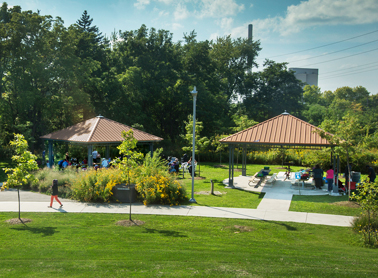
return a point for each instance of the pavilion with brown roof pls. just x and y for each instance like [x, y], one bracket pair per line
[282, 131]
[97, 131]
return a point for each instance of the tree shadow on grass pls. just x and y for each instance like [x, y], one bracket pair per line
[44, 231]
[288, 227]
[164, 232]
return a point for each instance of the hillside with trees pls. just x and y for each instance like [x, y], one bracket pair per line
[52, 76]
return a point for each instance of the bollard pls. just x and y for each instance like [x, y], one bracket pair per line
[212, 187]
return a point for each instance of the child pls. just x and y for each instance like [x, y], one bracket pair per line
[54, 194]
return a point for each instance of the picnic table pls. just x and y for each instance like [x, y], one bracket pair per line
[302, 177]
[260, 176]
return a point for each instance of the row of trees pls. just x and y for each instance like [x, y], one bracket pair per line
[52, 76]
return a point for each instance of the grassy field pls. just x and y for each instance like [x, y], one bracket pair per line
[325, 204]
[82, 245]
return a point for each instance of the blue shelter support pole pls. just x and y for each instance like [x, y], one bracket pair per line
[107, 152]
[231, 149]
[244, 161]
[90, 158]
[152, 149]
[51, 155]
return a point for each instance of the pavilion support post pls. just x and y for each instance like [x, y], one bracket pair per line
[231, 149]
[337, 170]
[244, 161]
[107, 152]
[51, 155]
[90, 158]
[152, 149]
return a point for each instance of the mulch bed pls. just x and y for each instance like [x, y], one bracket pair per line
[128, 223]
[347, 204]
[15, 221]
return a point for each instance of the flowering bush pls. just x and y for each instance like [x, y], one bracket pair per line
[161, 188]
[96, 186]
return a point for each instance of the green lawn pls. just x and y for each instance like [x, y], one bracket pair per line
[325, 204]
[82, 245]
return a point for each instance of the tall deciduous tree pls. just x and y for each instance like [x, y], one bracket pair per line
[276, 90]
[39, 75]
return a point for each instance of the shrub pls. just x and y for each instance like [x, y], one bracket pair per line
[46, 176]
[161, 188]
[367, 226]
[155, 185]
[96, 186]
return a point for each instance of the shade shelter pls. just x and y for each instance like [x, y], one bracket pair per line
[282, 131]
[98, 131]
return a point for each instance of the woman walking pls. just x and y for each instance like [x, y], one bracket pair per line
[54, 194]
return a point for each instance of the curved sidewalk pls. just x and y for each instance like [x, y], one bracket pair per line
[35, 202]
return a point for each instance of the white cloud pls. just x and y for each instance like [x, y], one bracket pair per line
[180, 12]
[163, 13]
[219, 8]
[225, 23]
[176, 26]
[141, 4]
[320, 12]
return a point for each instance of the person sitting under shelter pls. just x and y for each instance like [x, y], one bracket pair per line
[190, 166]
[104, 163]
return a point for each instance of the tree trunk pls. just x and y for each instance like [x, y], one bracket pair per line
[348, 174]
[19, 207]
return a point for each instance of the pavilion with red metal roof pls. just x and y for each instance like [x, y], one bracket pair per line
[98, 131]
[282, 131]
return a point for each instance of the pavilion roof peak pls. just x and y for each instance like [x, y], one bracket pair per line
[283, 129]
[99, 130]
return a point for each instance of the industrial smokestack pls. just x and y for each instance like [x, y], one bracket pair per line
[250, 28]
[250, 58]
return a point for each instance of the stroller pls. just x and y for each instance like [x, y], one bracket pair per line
[344, 188]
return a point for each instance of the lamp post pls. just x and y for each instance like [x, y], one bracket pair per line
[194, 94]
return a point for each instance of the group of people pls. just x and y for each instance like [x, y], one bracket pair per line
[330, 173]
[174, 164]
[98, 162]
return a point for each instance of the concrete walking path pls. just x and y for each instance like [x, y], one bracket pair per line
[273, 207]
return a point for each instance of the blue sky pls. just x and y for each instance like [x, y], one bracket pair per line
[343, 34]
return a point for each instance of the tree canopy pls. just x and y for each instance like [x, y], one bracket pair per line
[52, 76]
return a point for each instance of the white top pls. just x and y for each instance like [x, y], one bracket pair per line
[94, 154]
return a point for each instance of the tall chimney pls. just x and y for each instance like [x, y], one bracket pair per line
[250, 27]
[250, 59]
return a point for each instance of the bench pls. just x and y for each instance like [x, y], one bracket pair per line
[251, 180]
[272, 179]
